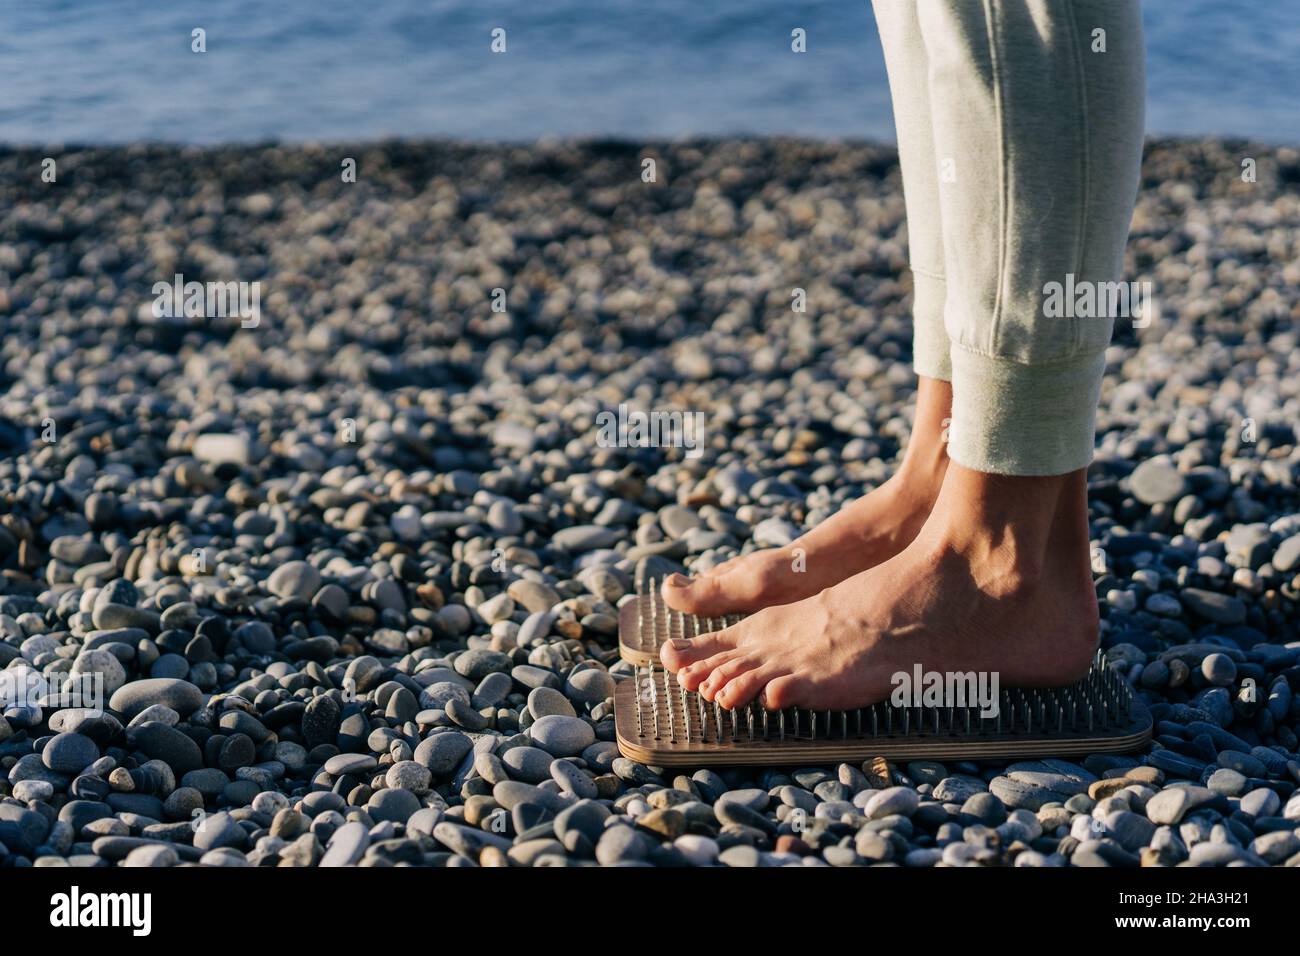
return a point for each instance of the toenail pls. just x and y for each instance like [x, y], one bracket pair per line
[678, 581]
[680, 644]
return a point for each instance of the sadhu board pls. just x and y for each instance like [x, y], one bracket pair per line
[661, 724]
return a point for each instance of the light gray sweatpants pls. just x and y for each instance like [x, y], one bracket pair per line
[1020, 139]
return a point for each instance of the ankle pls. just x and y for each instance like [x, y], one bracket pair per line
[1001, 526]
[1014, 533]
[995, 565]
[920, 475]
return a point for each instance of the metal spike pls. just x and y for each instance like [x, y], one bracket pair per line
[654, 617]
[640, 704]
[640, 622]
[668, 705]
[654, 702]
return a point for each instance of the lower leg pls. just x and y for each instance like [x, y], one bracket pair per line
[880, 524]
[862, 534]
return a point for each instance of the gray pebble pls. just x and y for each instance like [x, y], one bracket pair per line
[562, 736]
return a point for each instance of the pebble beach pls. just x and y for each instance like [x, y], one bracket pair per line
[349, 576]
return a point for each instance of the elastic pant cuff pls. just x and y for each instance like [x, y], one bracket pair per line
[1009, 418]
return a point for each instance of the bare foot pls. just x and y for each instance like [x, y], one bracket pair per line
[861, 535]
[998, 580]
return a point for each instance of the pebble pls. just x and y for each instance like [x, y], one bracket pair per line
[1032, 793]
[621, 844]
[1219, 670]
[218, 830]
[529, 764]
[69, 753]
[346, 845]
[465, 715]
[294, 580]
[562, 736]
[588, 537]
[392, 804]
[546, 701]
[162, 742]
[958, 789]
[465, 841]
[698, 850]
[153, 855]
[573, 781]
[895, 801]
[1287, 556]
[216, 448]
[1213, 606]
[441, 753]
[1227, 782]
[589, 686]
[1157, 481]
[754, 798]
[985, 807]
[341, 764]
[535, 597]
[1261, 802]
[1170, 805]
[175, 694]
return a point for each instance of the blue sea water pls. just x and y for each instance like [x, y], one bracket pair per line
[111, 71]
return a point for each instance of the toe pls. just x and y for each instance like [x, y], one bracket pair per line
[742, 688]
[701, 594]
[724, 672]
[681, 652]
[738, 585]
[782, 692]
[693, 675]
